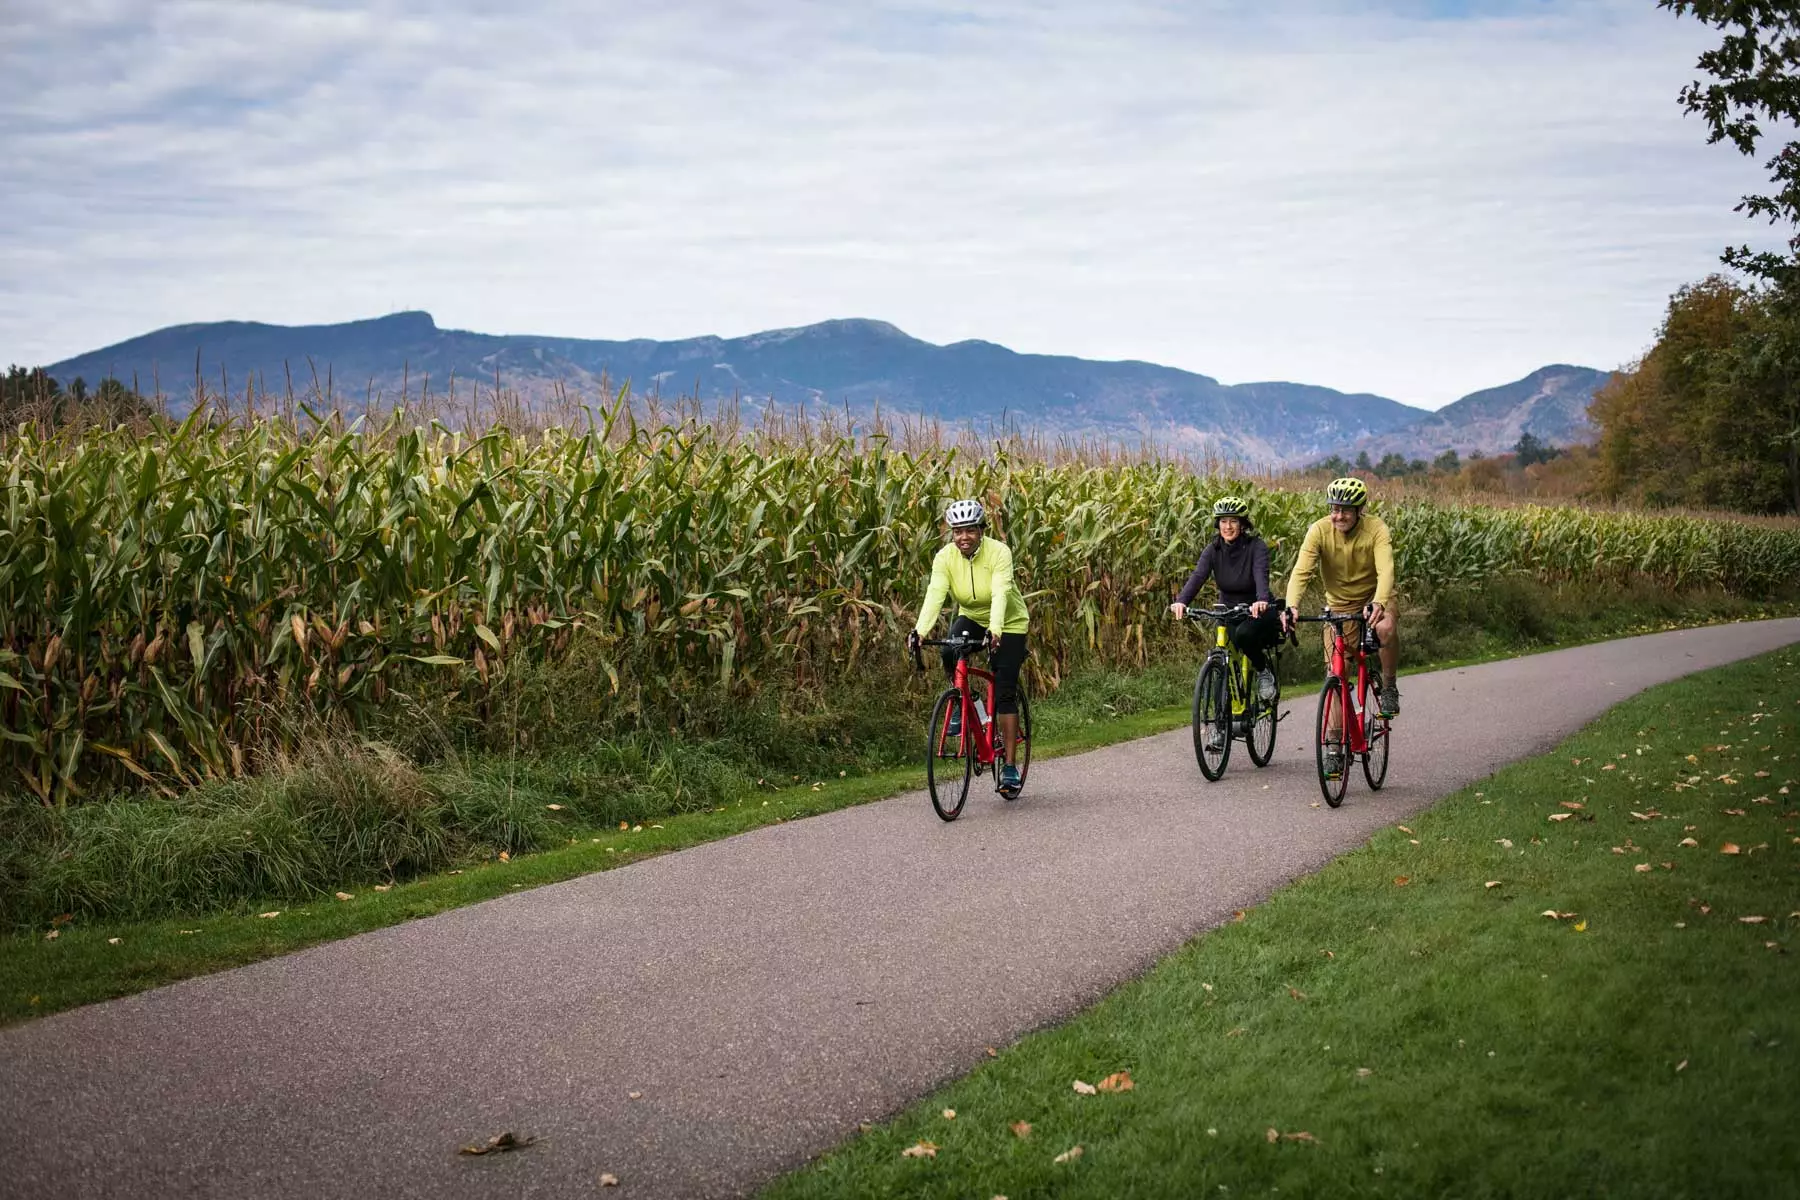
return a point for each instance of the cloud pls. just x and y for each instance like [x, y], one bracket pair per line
[1418, 199]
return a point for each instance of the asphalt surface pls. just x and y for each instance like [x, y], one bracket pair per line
[759, 995]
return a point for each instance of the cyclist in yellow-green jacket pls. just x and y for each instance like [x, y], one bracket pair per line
[1353, 555]
[977, 572]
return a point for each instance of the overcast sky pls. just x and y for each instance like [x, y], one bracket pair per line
[1417, 198]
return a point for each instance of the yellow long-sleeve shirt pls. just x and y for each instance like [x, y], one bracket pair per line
[982, 587]
[1354, 569]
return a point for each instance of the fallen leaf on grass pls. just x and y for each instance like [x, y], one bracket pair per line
[53, 935]
[1296, 993]
[1235, 1032]
[624, 824]
[1572, 805]
[1402, 829]
[121, 941]
[1753, 920]
[1641, 868]
[1688, 841]
[1086, 1089]
[1730, 848]
[992, 1053]
[345, 896]
[1733, 812]
[1503, 843]
[382, 887]
[1492, 883]
[267, 915]
[1069, 1155]
[949, 1114]
[1363, 1072]
[554, 807]
[1557, 916]
[1560, 816]
[500, 1143]
[1610, 767]
[1021, 1129]
[1118, 1081]
[1299, 1136]
[920, 1150]
[1401, 880]
[1580, 927]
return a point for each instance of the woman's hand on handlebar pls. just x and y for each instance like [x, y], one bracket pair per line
[1259, 608]
[1179, 609]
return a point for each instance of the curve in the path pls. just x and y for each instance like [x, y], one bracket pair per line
[761, 995]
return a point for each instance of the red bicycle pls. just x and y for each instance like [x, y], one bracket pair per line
[962, 731]
[1349, 725]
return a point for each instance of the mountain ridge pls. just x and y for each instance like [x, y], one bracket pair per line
[852, 362]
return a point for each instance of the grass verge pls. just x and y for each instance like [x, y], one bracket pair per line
[1574, 978]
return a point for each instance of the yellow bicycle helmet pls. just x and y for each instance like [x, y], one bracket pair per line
[1348, 490]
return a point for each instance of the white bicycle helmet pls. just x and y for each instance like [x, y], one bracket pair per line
[965, 512]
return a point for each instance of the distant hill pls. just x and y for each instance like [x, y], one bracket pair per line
[1550, 403]
[854, 363]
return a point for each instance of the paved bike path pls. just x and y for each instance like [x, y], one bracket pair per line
[760, 995]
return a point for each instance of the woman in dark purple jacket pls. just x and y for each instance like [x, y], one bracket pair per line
[1237, 559]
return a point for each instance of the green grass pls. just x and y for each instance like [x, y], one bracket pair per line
[1433, 1035]
[145, 872]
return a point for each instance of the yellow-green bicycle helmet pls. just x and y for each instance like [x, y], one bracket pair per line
[1230, 506]
[1348, 490]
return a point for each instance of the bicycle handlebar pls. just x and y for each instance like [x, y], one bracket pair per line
[963, 647]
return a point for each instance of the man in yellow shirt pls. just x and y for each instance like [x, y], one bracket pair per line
[1353, 555]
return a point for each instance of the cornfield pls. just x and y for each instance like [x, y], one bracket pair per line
[164, 591]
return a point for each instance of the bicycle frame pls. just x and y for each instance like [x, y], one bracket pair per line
[1237, 663]
[1352, 693]
[986, 744]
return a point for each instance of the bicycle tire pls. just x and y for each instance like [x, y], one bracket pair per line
[1376, 731]
[1022, 743]
[948, 793]
[1331, 698]
[1264, 715]
[1212, 710]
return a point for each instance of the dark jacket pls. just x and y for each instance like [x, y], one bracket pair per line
[1240, 568]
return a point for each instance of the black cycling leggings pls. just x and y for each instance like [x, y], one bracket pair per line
[1254, 635]
[1005, 663]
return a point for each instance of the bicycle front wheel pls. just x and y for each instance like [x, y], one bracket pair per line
[1333, 742]
[949, 757]
[1022, 743]
[1212, 720]
[1263, 717]
[1376, 731]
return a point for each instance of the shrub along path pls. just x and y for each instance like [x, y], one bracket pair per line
[695, 1024]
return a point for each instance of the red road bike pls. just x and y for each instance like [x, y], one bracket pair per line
[1350, 726]
[956, 751]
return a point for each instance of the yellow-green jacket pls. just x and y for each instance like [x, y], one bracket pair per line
[982, 587]
[1355, 569]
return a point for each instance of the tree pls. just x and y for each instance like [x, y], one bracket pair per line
[1447, 462]
[1754, 86]
[1701, 419]
[1530, 450]
[32, 395]
[1362, 461]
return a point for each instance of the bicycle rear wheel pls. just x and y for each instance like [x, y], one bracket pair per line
[1263, 717]
[1330, 745]
[1212, 719]
[1376, 732]
[949, 757]
[1022, 743]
